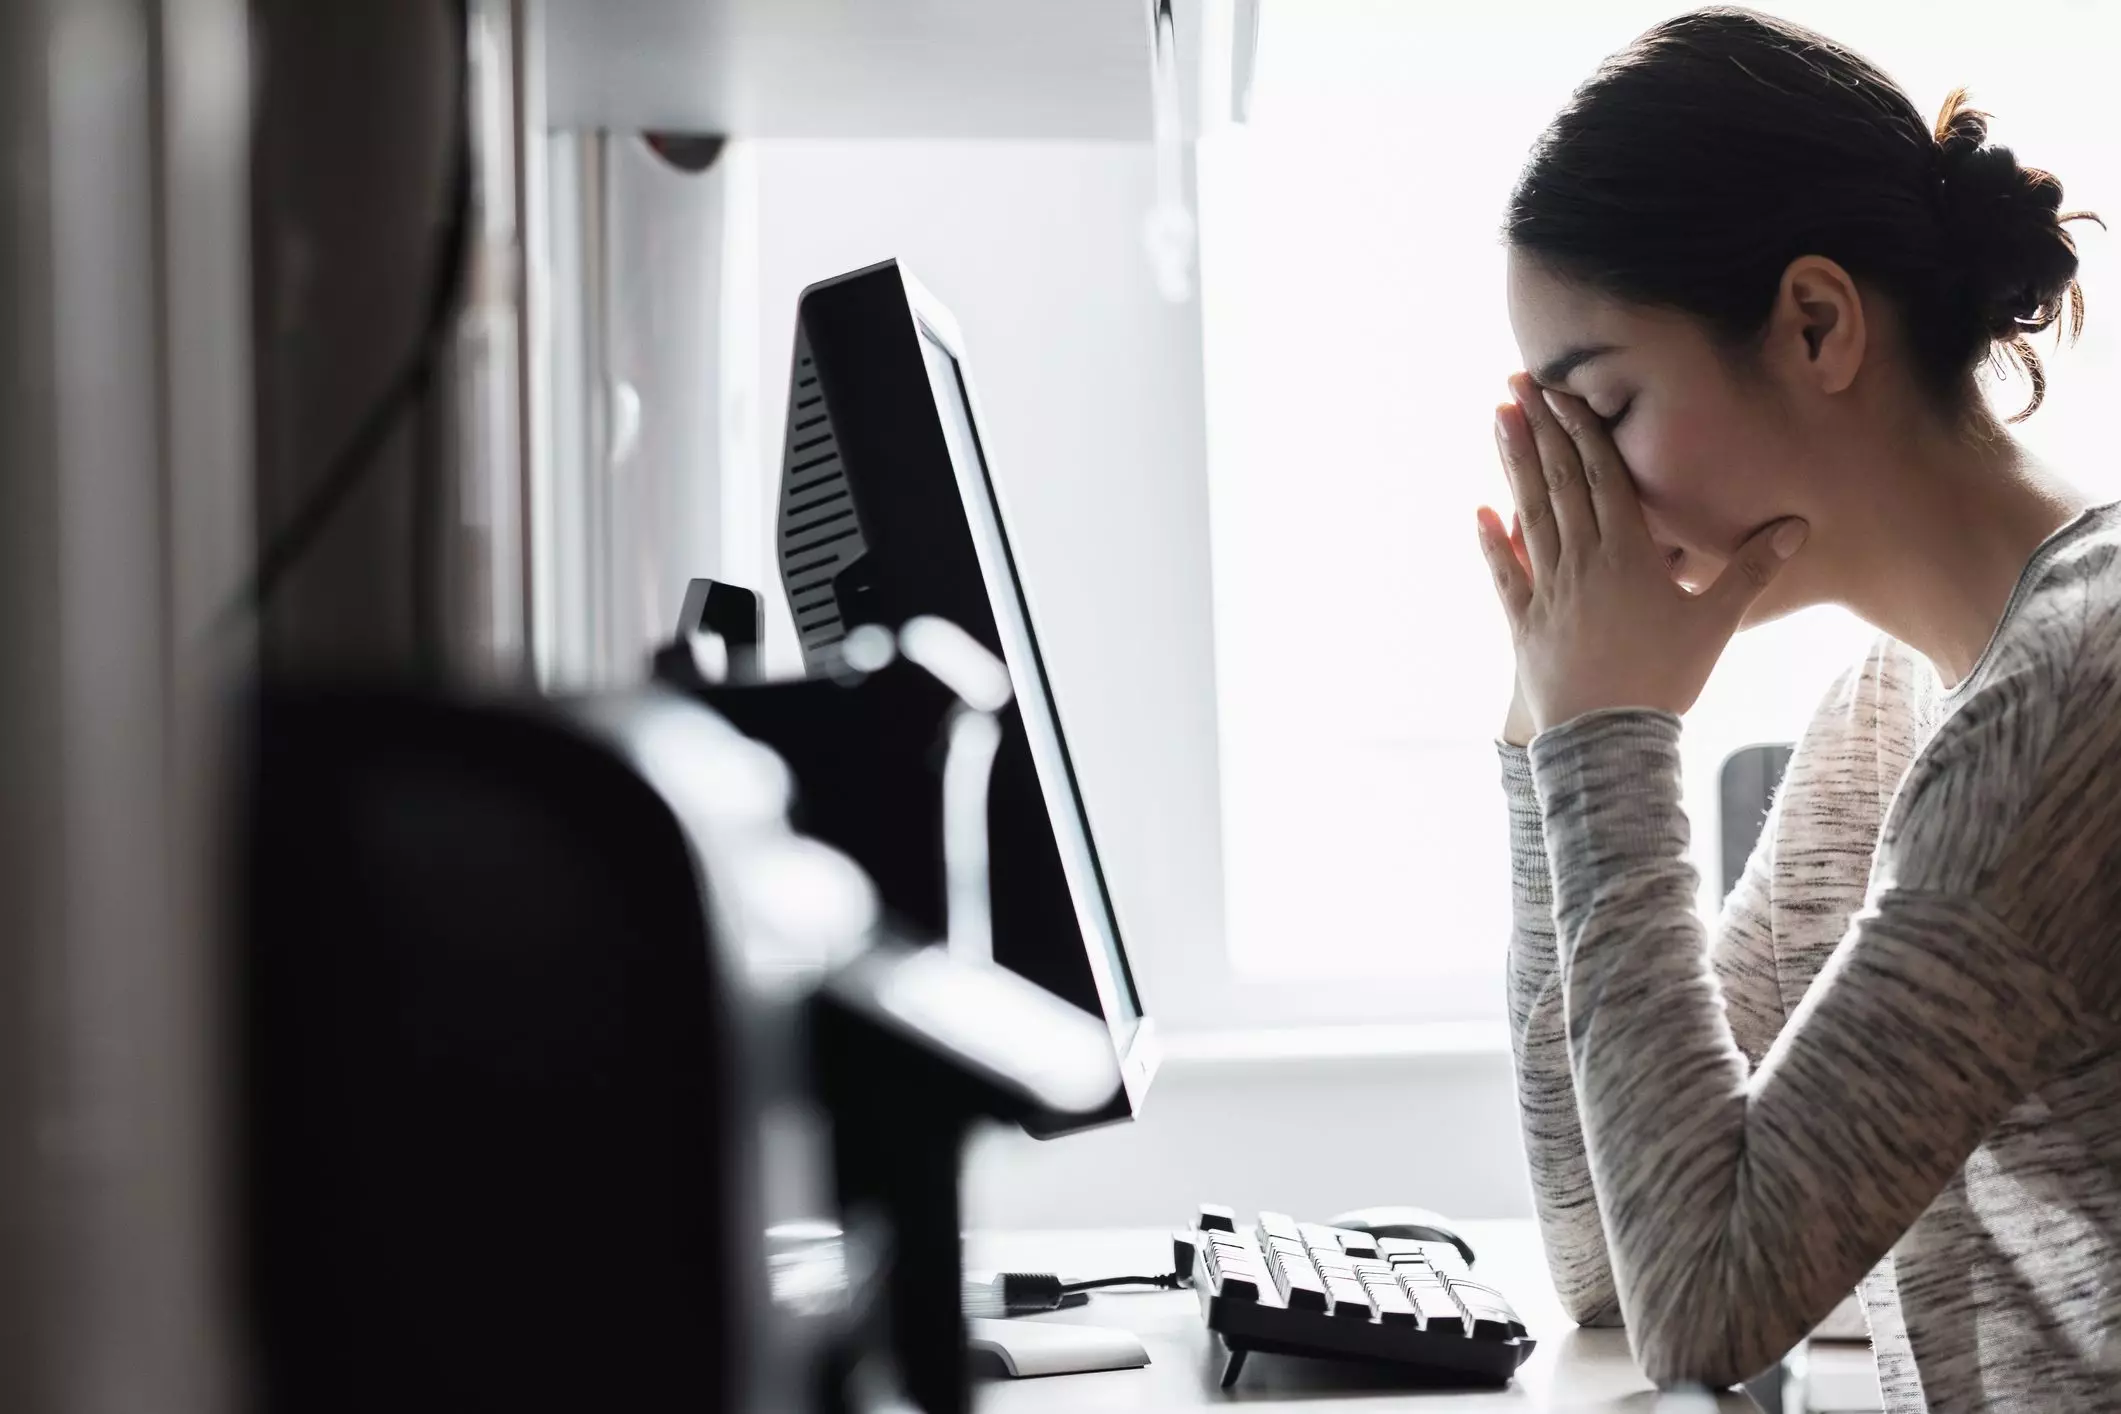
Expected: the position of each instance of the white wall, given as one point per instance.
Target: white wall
(1312, 1137)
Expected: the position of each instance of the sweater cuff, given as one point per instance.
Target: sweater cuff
(1519, 785)
(1609, 785)
(1516, 771)
(1528, 840)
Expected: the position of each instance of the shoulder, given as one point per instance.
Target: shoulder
(2064, 623)
(2013, 799)
(1866, 728)
(2052, 675)
(1881, 693)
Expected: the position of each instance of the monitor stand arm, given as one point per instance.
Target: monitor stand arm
(902, 1058)
(897, 1171)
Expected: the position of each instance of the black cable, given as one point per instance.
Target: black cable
(1029, 1293)
(429, 514)
(1169, 1281)
(430, 456)
(409, 388)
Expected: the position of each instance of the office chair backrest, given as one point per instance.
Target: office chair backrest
(1746, 789)
(492, 1122)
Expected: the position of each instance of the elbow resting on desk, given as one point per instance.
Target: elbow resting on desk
(1700, 1325)
(1700, 1329)
(1592, 1310)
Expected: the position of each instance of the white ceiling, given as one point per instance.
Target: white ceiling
(1075, 69)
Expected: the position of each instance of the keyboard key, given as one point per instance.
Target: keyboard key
(1280, 1225)
(1440, 1312)
(1492, 1317)
(1236, 1287)
(1216, 1217)
(1445, 1258)
(1440, 1255)
(1488, 1326)
(1394, 1306)
(1302, 1288)
(1291, 1246)
(1348, 1298)
(1319, 1237)
(1356, 1244)
(1236, 1256)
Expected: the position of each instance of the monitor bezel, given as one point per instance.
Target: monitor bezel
(1137, 1050)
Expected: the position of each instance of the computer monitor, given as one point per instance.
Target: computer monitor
(888, 511)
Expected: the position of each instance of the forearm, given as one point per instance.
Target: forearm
(1562, 1193)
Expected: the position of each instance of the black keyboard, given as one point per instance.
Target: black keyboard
(1297, 1288)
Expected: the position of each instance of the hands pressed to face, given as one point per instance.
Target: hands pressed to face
(1594, 612)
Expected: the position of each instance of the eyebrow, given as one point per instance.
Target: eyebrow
(1555, 371)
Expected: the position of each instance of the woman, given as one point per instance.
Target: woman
(1754, 289)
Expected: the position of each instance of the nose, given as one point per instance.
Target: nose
(1667, 543)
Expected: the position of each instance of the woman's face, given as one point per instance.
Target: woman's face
(1713, 460)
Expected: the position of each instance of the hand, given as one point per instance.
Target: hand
(1597, 620)
(1517, 728)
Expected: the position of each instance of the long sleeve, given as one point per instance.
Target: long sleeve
(1744, 965)
(1741, 1202)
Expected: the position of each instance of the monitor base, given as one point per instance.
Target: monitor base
(1020, 1349)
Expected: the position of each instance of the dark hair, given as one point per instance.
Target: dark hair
(1697, 163)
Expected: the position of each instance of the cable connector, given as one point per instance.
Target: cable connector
(1014, 1294)
(1029, 1293)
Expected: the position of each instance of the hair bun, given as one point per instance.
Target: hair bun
(2004, 223)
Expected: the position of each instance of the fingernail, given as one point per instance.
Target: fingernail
(1786, 539)
(1549, 395)
(1502, 429)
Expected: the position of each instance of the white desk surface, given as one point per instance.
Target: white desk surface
(1573, 1370)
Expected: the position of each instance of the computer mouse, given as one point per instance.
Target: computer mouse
(1417, 1224)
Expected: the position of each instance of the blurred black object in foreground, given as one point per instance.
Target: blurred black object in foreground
(495, 1125)
(502, 1077)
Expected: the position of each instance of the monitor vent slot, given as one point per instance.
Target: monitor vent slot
(819, 533)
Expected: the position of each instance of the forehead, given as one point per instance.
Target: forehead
(1551, 314)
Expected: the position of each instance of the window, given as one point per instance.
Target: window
(1356, 342)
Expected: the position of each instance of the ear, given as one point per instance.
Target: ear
(1817, 332)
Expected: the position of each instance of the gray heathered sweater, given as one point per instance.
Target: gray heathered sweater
(1898, 1056)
